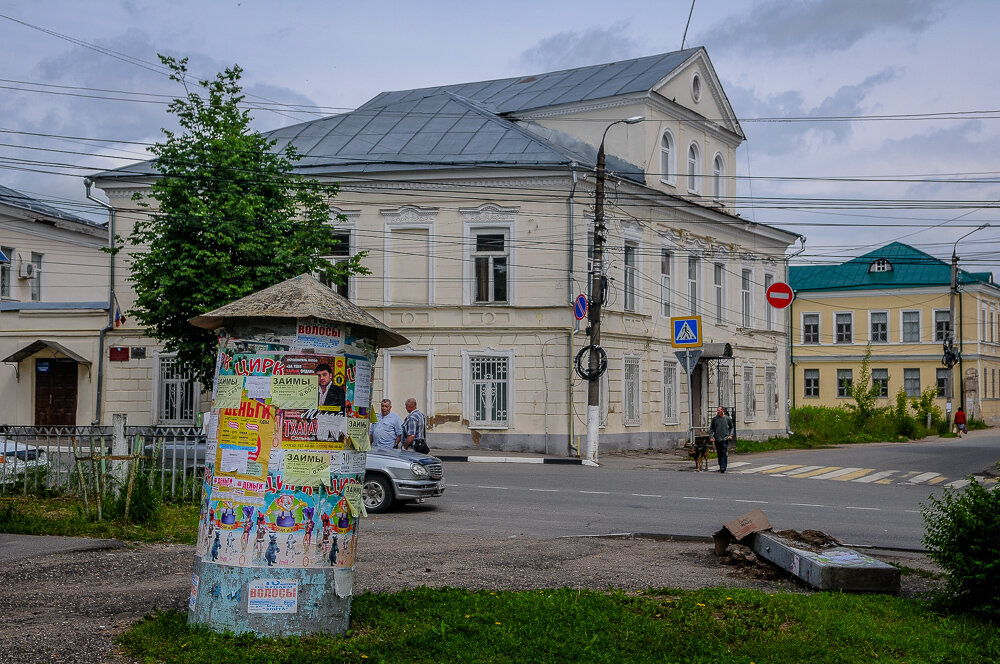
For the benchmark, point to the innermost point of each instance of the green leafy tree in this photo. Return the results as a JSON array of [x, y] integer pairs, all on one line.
[[230, 219], [864, 392]]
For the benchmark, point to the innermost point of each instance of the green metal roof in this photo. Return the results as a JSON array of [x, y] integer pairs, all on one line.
[[911, 268]]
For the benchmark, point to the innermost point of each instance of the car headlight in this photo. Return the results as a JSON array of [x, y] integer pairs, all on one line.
[[418, 470]]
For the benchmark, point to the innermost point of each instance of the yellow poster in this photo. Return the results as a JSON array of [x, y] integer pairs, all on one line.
[[339, 371], [352, 494], [357, 429], [315, 445], [294, 391], [306, 468], [228, 392]]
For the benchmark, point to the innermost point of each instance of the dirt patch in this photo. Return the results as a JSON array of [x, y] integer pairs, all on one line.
[[813, 540], [69, 607]]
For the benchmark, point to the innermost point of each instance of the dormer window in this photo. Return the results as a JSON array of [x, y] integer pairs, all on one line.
[[880, 265]]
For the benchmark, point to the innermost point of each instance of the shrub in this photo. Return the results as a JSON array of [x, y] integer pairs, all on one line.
[[963, 536]]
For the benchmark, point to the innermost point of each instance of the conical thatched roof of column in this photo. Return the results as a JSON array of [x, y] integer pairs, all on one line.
[[303, 296]]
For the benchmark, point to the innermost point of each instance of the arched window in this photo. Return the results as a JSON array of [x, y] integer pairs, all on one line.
[[668, 171], [718, 171], [694, 168]]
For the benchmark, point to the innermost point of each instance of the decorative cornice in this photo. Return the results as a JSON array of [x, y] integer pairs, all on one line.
[[409, 214], [450, 186], [489, 212]]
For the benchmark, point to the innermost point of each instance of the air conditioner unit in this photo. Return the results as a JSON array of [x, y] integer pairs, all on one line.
[[27, 270]]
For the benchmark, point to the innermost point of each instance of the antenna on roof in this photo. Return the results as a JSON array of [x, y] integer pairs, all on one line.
[[688, 25]]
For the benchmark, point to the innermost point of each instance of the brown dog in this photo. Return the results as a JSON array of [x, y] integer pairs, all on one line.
[[700, 454]]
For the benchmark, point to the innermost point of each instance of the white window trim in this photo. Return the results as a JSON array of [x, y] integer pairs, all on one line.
[[920, 326], [802, 328], [749, 414], [888, 327], [769, 311], [427, 404], [777, 393], [403, 218], [934, 314], [718, 178], [154, 416], [672, 263], [837, 386], [626, 359], [11, 269], [676, 419], [350, 227], [843, 343], [488, 217], [694, 180], [633, 239], [746, 300], [467, 408], [668, 176], [720, 302], [819, 386], [693, 303]]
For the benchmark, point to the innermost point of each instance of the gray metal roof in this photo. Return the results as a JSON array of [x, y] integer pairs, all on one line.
[[462, 125], [16, 199]]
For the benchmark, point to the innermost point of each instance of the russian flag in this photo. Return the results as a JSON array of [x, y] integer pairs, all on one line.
[[119, 316]]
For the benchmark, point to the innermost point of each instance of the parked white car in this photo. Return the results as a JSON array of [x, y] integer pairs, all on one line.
[[18, 458], [400, 476]]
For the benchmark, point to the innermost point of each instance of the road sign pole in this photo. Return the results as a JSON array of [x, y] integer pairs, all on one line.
[[687, 351]]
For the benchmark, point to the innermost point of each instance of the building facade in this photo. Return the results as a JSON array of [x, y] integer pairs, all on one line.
[[474, 205], [898, 300]]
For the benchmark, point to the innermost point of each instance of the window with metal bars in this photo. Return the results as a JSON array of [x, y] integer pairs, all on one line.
[[488, 382], [176, 393], [631, 391]]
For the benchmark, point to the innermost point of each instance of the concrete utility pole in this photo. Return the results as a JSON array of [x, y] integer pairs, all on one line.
[[597, 300], [951, 355]]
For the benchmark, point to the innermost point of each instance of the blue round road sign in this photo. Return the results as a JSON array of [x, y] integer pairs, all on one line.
[[580, 307]]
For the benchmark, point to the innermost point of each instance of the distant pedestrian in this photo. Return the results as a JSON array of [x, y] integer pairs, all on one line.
[[960, 425], [388, 430], [720, 432], [415, 429]]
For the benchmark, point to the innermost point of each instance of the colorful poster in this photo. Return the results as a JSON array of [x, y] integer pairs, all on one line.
[[273, 596], [329, 393], [358, 429], [294, 391], [228, 392], [316, 334], [194, 592], [359, 385], [352, 494], [246, 426]]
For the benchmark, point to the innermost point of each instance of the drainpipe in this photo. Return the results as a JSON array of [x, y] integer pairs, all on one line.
[[573, 331], [88, 183], [788, 326]]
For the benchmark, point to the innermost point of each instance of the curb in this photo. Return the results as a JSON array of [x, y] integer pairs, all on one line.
[[503, 459]]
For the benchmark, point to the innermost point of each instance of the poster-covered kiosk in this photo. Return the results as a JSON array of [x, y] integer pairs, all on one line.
[[285, 460]]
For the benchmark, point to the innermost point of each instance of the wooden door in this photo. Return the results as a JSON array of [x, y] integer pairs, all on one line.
[[55, 392]]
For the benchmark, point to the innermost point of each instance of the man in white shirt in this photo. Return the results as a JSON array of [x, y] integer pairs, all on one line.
[[388, 430]]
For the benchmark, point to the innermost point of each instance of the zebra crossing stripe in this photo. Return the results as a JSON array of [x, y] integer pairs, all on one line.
[[813, 473], [923, 477], [861, 472], [958, 484], [874, 477], [773, 466], [835, 473], [782, 469]]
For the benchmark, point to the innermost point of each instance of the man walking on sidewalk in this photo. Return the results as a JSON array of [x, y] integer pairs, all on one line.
[[720, 432]]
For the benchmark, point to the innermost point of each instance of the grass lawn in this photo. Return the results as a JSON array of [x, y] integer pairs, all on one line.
[[717, 626], [64, 516]]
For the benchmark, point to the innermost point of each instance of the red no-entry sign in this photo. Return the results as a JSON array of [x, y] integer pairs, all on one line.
[[779, 295]]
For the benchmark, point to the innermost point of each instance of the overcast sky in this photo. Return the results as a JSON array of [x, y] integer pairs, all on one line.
[[867, 121]]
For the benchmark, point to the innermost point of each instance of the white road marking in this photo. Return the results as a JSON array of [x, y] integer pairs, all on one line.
[[958, 484], [759, 502], [545, 490], [602, 493], [806, 505], [923, 477], [835, 473], [762, 468], [502, 488], [873, 477], [696, 498], [647, 495], [872, 509]]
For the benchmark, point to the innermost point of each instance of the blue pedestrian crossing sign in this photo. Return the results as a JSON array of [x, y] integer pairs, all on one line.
[[686, 332]]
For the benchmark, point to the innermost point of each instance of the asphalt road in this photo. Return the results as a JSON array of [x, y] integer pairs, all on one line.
[[864, 495]]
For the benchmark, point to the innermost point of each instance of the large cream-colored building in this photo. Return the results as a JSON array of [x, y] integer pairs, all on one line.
[[474, 203], [897, 299]]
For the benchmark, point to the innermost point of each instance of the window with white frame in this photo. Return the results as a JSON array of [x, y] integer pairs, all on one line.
[[671, 407], [879, 327], [718, 173], [880, 381], [944, 383], [720, 293], [982, 325], [488, 388], [725, 387], [668, 168], [810, 383], [768, 309], [694, 168], [665, 258], [844, 328], [991, 326], [911, 327], [6, 273], [630, 274], [942, 325], [693, 266], [176, 396], [845, 382], [341, 254], [490, 266], [810, 328], [771, 392], [747, 301], [911, 382], [36, 280], [631, 391], [749, 397]]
